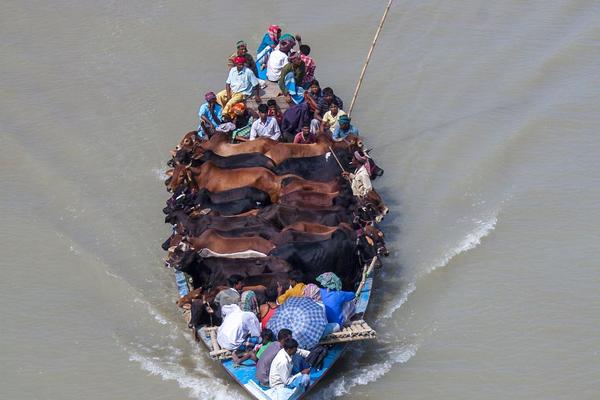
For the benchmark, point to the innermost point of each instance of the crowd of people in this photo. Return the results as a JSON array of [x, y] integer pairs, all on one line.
[[245, 331], [285, 61]]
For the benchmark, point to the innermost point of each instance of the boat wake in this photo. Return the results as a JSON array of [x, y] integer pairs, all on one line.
[[399, 351], [471, 240]]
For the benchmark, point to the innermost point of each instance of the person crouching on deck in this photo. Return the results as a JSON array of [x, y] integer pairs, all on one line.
[[239, 329], [290, 80], [338, 303], [210, 114], [240, 84]]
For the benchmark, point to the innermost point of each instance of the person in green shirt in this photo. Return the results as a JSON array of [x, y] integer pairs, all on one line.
[[267, 337], [295, 66]]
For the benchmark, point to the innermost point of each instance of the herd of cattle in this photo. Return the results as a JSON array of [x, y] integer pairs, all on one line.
[[263, 208]]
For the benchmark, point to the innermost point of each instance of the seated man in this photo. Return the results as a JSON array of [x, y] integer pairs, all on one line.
[[344, 129], [237, 328], [264, 126], [277, 60], [240, 84], [296, 287], [232, 294], [242, 51], [290, 80], [296, 116], [332, 116], [315, 90], [263, 365], [274, 111], [305, 136], [280, 374], [210, 114], [326, 99]]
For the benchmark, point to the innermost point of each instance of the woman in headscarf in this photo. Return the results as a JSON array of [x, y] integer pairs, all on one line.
[[269, 42], [248, 302], [334, 298], [313, 292]]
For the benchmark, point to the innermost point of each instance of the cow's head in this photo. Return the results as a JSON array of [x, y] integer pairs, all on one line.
[[374, 201], [376, 238]]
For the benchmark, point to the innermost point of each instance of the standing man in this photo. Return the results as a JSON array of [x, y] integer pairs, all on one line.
[[210, 114], [240, 84], [265, 126]]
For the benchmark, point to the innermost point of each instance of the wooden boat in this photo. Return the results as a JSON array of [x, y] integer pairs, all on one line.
[[336, 343]]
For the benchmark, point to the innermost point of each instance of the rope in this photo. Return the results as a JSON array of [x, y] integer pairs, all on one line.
[[364, 69]]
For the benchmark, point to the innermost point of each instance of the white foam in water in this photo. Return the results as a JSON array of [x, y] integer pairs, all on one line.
[[364, 376], [157, 316], [199, 388], [402, 354], [470, 241], [160, 173]]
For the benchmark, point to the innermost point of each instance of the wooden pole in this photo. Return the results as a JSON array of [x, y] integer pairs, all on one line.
[[366, 272], [336, 159], [364, 69]]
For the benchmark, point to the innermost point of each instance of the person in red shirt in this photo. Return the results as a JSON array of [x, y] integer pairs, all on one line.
[[305, 136]]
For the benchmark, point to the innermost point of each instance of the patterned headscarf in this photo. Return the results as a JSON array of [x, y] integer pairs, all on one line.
[[248, 302], [272, 31], [286, 42], [312, 291], [330, 280]]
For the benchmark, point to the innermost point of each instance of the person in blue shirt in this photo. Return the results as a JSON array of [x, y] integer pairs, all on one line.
[[333, 297], [344, 129], [210, 114]]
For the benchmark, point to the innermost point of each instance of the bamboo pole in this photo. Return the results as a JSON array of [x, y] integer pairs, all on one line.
[[364, 69], [336, 159], [366, 272]]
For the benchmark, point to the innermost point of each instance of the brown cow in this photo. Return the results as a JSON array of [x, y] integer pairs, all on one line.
[[219, 144], [324, 144], [211, 239], [305, 198]]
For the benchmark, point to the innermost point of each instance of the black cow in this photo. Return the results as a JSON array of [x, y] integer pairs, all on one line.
[[244, 160], [281, 215], [321, 168], [338, 255], [228, 202]]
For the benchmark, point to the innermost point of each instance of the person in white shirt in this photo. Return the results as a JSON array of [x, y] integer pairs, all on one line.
[[237, 325], [280, 374], [277, 60], [265, 126], [360, 180]]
